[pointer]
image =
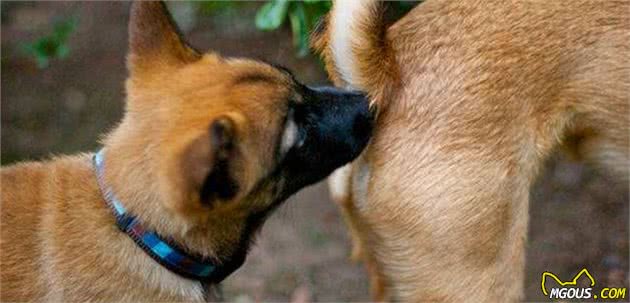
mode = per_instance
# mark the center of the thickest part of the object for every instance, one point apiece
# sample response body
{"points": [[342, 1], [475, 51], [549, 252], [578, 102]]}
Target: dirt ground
{"points": [[579, 219]]}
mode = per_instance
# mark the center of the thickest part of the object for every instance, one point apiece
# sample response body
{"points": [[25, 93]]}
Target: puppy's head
{"points": [[229, 139]]}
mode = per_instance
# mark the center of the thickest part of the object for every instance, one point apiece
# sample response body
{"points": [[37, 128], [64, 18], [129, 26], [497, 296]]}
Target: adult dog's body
{"points": [[209, 146], [472, 98]]}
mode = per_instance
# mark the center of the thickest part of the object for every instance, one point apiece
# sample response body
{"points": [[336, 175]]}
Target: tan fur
{"points": [[472, 99], [59, 241], [73, 249]]}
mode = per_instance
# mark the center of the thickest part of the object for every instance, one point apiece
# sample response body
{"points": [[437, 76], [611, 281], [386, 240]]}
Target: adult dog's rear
{"points": [[472, 97]]}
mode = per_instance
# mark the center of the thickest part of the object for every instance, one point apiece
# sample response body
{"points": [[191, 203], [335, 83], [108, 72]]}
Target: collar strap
{"points": [[165, 252]]}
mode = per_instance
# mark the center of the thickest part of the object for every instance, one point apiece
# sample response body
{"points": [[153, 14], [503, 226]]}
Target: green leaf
{"points": [[42, 61], [210, 7], [62, 51], [44, 47], [53, 45], [63, 29], [299, 28], [272, 15]]}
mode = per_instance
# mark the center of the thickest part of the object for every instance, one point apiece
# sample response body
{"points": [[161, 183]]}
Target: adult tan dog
{"points": [[472, 97], [207, 148]]}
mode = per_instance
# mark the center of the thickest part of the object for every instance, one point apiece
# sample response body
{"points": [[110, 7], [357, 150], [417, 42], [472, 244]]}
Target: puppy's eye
{"points": [[290, 134], [293, 135]]}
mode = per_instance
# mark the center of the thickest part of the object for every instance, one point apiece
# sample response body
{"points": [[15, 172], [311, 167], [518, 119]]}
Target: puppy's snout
{"points": [[346, 122], [364, 118], [362, 126], [336, 126], [357, 121]]}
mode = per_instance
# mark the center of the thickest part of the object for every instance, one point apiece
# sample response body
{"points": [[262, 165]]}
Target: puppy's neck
{"points": [[131, 173], [143, 175]]}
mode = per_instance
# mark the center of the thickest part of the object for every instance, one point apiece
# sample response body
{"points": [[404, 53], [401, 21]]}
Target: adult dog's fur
{"points": [[207, 148], [472, 98]]}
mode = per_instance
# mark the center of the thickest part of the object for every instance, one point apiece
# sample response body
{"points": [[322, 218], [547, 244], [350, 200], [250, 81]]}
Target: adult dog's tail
{"points": [[356, 50]]}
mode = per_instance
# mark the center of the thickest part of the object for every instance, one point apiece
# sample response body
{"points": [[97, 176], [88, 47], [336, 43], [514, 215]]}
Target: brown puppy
{"points": [[472, 98], [207, 148]]}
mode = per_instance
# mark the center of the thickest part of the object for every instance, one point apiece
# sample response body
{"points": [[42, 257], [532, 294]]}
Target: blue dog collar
{"points": [[163, 251]]}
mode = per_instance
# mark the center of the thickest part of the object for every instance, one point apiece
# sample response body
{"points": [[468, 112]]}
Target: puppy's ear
{"points": [[211, 161], [154, 40]]}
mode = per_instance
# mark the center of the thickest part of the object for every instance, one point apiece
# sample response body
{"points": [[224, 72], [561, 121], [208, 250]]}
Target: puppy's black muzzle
{"points": [[336, 125], [342, 125]]}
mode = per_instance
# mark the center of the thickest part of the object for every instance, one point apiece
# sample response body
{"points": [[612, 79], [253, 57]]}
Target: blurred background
{"points": [[62, 87]]}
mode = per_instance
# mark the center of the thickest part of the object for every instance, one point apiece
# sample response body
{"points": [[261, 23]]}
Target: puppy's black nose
{"points": [[362, 126], [345, 122], [337, 126], [363, 123]]}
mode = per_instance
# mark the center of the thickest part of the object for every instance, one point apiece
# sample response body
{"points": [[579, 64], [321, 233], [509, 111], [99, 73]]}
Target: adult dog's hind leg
{"points": [[339, 185], [344, 185], [453, 226]]}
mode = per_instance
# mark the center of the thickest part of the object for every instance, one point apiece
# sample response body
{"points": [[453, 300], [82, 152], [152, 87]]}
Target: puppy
{"points": [[472, 99], [207, 148]]}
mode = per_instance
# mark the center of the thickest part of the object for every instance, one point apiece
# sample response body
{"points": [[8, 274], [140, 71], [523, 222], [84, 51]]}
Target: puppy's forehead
{"points": [[252, 71], [265, 75]]}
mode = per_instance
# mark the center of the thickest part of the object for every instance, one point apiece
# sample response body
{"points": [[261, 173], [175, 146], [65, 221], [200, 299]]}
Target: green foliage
{"points": [[272, 14], [302, 15], [213, 7], [53, 45]]}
